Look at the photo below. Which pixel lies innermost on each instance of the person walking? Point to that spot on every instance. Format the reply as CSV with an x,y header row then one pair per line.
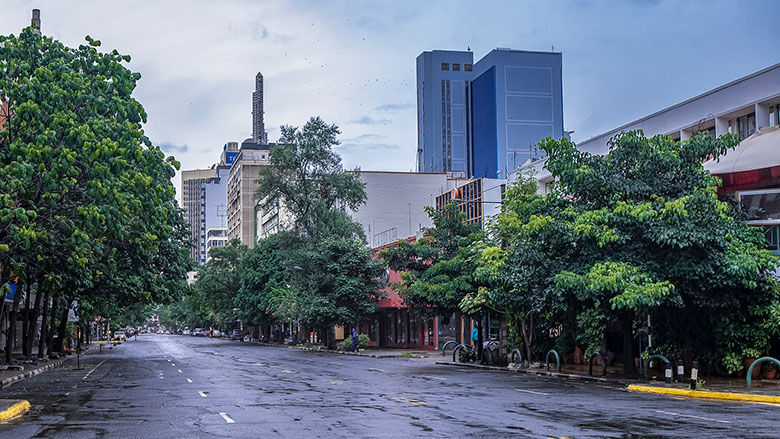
x,y
355,340
474,337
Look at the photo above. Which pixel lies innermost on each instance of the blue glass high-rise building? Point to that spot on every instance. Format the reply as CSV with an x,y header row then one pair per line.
x,y
484,119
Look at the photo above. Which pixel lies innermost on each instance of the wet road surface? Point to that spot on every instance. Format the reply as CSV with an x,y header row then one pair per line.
x,y
189,387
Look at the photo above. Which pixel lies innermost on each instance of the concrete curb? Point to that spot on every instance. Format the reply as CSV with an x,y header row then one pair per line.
x,y
537,372
704,394
15,410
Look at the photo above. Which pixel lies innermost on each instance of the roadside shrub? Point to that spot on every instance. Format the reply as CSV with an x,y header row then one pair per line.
x,y
363,340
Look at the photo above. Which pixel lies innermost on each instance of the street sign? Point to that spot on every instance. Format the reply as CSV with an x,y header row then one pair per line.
x,y
72,316
9,297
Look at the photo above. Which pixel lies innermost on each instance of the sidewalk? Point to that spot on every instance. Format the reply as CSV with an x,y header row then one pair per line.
x,y
370,352
19,372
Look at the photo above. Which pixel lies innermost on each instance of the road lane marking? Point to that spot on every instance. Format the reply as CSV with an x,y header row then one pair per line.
x,y
288,371
179,370
692,416
337,383
169,361
189,380
427,377
531,391
202,394
416,402
260,364
227,418
173,364
93,369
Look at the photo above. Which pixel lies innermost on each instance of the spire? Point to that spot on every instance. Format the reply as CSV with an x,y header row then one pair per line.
x,y
258,125
36,21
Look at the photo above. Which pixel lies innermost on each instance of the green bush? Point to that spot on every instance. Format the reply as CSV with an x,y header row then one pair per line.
x,y
362,342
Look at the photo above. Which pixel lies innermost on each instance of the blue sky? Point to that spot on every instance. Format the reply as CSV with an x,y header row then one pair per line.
x,y
353,63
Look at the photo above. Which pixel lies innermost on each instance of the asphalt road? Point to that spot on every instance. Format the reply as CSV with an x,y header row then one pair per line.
x,y
187,387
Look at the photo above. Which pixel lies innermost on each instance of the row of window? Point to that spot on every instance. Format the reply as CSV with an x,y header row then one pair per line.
x,y
456,67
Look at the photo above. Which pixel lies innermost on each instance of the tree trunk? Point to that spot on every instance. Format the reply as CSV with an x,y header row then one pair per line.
x,y
11,335
44,327
626,320
61,330
52,324
479,339
527,329
26,320
33,323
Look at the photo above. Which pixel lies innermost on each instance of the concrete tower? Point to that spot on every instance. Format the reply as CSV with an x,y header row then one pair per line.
x,y
258,126
36,21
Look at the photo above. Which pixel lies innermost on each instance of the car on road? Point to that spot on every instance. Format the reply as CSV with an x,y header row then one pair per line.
x,y
199,332
237,334
119,336
186,332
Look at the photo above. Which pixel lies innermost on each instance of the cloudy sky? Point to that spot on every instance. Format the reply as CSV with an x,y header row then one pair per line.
x,y
353,62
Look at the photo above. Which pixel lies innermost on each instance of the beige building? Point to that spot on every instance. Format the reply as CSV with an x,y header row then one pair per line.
x,y
242,183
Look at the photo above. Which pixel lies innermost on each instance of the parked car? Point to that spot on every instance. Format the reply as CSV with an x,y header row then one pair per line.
x,y
119,336
186,332
199,332
237,334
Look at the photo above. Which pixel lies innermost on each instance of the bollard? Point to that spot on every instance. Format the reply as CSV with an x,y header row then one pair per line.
x,y
668,372
680,371
694,374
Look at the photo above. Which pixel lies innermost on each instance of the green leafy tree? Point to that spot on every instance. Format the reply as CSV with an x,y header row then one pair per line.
x,y
640,232
87,209
335,279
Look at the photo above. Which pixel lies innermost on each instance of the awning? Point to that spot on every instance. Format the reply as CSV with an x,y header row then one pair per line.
x,y
760,150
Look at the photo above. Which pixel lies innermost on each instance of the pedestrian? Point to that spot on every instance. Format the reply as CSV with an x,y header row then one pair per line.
x,y
474,337
355,340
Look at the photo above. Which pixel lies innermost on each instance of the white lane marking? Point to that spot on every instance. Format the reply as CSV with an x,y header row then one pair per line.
x,y
428,377
179,370
531,391
202,394
189,380
173,364
227,418
692,416
93,369
169,361
288,371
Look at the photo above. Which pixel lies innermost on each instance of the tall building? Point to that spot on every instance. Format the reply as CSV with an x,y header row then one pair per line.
x,y
258,125
485,119
242,183
443,121
205,203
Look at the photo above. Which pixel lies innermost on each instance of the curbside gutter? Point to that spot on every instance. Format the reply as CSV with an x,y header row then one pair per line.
x,y
705,394
14,410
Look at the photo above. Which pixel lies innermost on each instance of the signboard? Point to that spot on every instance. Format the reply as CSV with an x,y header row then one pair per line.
x,y
9,297
72,316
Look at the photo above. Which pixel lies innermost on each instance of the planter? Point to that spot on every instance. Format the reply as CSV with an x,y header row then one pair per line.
x,y
756,370
770,372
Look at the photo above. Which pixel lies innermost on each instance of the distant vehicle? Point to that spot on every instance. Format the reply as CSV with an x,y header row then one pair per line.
x,y
186,332
119,335
199,332
216,333
237,334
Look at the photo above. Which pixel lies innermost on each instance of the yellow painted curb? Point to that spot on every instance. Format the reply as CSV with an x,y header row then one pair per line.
x,y
14,411
704,394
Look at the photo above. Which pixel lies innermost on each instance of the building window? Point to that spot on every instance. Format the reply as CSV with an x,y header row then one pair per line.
x,y
467,67
456,67
445,66
746,125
